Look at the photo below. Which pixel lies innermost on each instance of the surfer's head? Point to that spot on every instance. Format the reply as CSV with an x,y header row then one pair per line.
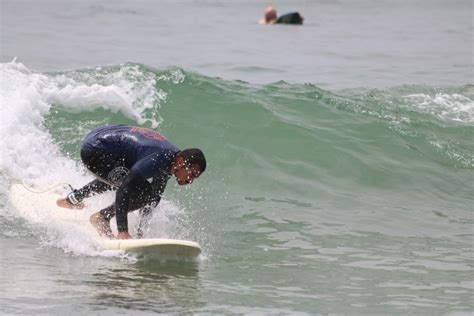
x,y
188,165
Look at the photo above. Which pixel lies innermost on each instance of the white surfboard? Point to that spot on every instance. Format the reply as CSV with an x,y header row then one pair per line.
x,y
41,208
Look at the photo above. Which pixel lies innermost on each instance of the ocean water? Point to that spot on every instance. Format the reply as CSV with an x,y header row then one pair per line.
x,y
340,154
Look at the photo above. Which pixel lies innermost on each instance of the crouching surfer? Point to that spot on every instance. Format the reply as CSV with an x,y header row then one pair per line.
x,y
137,163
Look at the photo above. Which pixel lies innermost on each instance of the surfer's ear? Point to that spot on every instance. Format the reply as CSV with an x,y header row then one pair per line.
x,y
177,164
179,161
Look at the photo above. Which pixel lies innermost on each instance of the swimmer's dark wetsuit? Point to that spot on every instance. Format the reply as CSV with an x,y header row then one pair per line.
x,y
133,160
290,18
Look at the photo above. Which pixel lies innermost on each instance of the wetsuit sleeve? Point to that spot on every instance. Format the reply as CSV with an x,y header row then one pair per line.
x,y
122,199
151,165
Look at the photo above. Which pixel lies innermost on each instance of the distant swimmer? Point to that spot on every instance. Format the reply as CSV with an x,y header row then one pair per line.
x,y
136,162
270,17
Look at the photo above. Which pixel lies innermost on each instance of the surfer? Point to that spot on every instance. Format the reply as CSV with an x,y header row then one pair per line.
x,y
270,17
137,163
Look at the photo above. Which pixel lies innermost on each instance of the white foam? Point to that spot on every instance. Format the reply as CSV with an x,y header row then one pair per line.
x,y
453,107
28,151
126,90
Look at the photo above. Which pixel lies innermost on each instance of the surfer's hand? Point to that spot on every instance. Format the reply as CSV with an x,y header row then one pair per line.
x,y
124,235
65,204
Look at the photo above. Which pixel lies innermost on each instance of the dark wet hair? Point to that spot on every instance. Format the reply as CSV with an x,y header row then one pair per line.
x,y
194,156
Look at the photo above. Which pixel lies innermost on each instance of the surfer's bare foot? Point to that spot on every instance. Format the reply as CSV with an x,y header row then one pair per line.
x,y
65,204
101,225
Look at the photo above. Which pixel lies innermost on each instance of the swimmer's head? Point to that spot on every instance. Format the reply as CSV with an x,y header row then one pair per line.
x,y
270,14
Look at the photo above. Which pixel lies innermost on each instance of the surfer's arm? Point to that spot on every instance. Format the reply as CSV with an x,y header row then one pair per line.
x,y
122,199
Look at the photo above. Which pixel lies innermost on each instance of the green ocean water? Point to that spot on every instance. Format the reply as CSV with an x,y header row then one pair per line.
x,y
314,201
340,154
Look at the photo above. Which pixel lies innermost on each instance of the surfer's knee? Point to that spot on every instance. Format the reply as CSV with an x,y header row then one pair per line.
x,y
97,219
94,219
101,224
107,213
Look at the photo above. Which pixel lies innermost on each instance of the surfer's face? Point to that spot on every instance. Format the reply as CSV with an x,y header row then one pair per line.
x,y
186,174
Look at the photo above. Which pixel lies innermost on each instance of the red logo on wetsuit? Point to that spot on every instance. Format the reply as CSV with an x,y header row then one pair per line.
x,y
148,133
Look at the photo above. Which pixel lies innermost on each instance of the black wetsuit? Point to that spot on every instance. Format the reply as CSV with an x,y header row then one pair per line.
x,y
290,18
133,160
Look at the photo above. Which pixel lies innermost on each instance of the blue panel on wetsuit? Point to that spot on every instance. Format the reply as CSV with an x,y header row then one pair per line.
x,y
143,150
